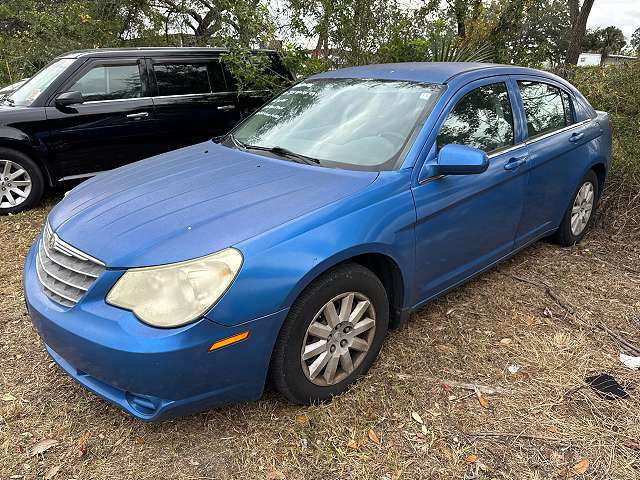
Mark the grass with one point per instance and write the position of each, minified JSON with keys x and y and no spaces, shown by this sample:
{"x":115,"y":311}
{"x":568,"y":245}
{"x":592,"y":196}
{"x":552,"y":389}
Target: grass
{"x":545,"y":421}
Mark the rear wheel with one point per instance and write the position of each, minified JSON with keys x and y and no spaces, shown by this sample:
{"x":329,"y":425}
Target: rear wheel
{"x":579,"y":214}
{"x":21,"y":182}
{"x":332,"y":335}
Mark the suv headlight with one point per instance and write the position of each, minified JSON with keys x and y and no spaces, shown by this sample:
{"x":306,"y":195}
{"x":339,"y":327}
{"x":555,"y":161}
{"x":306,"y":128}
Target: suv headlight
{"x":179,"y":293}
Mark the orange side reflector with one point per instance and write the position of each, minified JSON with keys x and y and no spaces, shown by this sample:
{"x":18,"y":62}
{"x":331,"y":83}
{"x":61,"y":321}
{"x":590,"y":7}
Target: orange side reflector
{"x":229,"y":340}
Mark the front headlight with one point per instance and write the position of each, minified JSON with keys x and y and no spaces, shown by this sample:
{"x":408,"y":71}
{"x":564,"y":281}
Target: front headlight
{"x":176,"y":294}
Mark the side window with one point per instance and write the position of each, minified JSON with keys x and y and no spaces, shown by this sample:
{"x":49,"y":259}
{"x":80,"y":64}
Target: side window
{"x":109,"y":82}
{"x":182,"y":78}
{"x":481,"y":119}
{"x":566,"y":103}
{"x":545,"y":108}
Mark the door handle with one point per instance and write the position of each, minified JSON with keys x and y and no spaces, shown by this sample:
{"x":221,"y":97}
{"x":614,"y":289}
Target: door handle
{"x":576,"y":136}
{"x":138,"y":116}
{"x":515,"y":162}
{"x":224,"y":108}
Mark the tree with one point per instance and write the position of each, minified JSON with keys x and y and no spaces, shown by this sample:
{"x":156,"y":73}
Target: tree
{"x":635,"y":40}
{"x":579,"y":16}
{"x":606,"y":41}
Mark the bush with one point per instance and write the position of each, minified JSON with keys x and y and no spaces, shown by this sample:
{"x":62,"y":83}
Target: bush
{"x":616,"y":90}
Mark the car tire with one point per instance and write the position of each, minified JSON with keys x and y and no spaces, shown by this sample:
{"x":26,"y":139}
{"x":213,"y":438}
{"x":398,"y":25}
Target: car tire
{"x":297,"y":362}
{"x":579,"y":214}
{"x":21,"y":182}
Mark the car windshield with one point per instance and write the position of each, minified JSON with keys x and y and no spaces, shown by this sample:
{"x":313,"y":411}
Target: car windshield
{"x":27,"y":93}
{"x":340,"y":122}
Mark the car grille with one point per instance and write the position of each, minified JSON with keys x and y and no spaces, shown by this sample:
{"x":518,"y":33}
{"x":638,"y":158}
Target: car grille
{"x":65,"y":273}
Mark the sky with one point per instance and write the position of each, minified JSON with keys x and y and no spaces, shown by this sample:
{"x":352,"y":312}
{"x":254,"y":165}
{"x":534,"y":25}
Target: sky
{"x":624,"y":14}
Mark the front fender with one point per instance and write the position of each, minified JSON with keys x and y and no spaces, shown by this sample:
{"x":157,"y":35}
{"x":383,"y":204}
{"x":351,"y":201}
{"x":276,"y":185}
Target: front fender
{"x":280,"y":264}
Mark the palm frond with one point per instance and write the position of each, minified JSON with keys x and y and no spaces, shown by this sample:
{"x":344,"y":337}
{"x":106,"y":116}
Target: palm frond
{"x":449,"y":50}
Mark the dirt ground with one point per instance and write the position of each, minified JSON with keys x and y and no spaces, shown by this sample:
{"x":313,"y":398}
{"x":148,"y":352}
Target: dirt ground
{"x":409,"y":418}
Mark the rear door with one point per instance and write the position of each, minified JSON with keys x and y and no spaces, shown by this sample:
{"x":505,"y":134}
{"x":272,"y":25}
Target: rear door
{"x":558,"y":142}
{"x":111,"y":128}
{"x":192,"y":100}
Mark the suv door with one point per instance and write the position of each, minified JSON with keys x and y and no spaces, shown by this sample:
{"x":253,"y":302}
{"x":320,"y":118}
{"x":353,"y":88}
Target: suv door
{"x":558,"y":144}
{"x":111,"y":128}
{"x":467,"y":222}
{"x":192,"y":101}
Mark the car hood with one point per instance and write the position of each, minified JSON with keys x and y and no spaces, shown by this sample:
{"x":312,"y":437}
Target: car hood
{"x":192,"y":202}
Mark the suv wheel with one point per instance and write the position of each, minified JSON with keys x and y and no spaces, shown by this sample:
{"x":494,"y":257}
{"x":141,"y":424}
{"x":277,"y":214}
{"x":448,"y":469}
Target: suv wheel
{"x":21,"y":182}
{"x":332,"y":335}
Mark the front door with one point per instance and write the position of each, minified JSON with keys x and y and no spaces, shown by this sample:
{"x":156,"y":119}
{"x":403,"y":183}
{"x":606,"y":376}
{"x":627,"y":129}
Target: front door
{"x":111,"y":128}
{"x":467,"y":222}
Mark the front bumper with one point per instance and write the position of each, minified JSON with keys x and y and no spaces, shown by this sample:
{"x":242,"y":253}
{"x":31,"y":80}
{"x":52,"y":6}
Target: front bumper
{"x":151,"y":373}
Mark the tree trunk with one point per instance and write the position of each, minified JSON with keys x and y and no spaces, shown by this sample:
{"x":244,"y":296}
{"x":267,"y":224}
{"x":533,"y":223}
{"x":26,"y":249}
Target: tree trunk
{"x":579,"y":18}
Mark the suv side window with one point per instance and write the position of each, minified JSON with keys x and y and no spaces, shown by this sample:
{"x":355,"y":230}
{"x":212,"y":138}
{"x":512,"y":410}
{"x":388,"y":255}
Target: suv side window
{"x":109,"y":82}
{"x":547,"y":107}
{"x":188,"y":78}
{"x":481,"y":119}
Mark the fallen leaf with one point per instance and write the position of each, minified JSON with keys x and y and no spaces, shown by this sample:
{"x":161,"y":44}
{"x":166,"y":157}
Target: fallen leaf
{"x":83,"y":443}
{"x":446,"y":387}
{"x":42,"y":446}
{"x":52,"y":472}
{"x":484,"y":403}
{"x":424,"y":430}
{"x":373,"y":436}
{"x":506,"y":341}
{"x":580,"y":467}
{"x":449,"y":312}
{"x":471,"y":458}
{"x":276,"y":475}
{"x":352,"y":444}
{"x":7,"y":397}
{"x":416,"y":417}
{"x":301,"y":418}
{"x":552,"y":429}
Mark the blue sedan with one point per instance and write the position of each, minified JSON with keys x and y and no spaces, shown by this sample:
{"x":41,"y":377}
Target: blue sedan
{"x":289,"y":247}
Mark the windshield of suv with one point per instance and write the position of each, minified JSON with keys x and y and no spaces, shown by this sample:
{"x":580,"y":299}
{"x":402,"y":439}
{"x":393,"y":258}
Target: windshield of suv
{"x":28,"y":92}
{"x":354,"y":123}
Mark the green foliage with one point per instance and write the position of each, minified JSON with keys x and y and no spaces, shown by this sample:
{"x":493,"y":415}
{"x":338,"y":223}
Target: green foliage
{"x":609,"y":40}
{"x":616,"y":90}
{"x":635,"y":40}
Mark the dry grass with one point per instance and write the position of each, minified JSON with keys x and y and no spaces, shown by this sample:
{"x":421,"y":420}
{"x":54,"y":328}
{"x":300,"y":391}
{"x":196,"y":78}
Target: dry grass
{"x":547,"y":420}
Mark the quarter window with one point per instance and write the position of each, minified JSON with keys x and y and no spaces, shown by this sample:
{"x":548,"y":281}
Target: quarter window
{"x":109,"y":82}
{"x":481,"y":119}
{"x":547,"y":107}
{"x":189,"y":78}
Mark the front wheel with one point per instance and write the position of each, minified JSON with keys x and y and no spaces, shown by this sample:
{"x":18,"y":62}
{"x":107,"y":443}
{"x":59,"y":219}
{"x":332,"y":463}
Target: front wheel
{"x":579,"y":214}
{"x":332,"y":335}
{"x":21,"y":182}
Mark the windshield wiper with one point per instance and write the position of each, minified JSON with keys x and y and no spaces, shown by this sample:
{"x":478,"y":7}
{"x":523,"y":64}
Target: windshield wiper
{"x":281,"y":151}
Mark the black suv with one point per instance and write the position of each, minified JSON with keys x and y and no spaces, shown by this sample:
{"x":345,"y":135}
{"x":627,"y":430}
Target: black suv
{"x":95,"y":110}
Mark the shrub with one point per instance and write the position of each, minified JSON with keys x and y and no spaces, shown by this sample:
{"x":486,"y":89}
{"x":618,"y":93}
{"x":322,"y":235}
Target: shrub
{"x":616,"y":90}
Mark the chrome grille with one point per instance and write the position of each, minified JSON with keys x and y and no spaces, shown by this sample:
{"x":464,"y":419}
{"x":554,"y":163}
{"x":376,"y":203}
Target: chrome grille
{"x":65,"y":273}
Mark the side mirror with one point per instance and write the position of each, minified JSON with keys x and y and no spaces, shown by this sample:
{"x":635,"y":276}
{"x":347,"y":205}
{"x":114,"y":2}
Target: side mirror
{"x":456,"y":159}
{"x":67,"y":99}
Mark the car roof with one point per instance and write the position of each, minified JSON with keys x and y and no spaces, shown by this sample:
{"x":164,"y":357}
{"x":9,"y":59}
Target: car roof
{"x":429,"y":72}
{"x":136,"y":52}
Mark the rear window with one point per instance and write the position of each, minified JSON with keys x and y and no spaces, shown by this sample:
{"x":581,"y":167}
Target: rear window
{"x":183,"y":78}
{"x":545,"y":107}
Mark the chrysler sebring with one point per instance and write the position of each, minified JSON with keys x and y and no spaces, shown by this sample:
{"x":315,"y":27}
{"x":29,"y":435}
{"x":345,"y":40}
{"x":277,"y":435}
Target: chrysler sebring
{"x":287,"y":248}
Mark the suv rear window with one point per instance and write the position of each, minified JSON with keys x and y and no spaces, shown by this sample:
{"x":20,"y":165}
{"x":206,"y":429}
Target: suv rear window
{"x":181,"y":78}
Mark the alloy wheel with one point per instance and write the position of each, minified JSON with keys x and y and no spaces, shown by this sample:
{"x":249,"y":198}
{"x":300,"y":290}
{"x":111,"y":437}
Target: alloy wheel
{"x":582,"y":208}
{"x":338,"y":338}
{"x":15,"y":184}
